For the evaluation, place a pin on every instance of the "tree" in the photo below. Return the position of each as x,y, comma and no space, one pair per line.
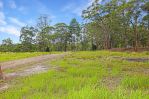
7,45
63,36
74,29
7,41
98,24
134,13
44,30
84,38
145,8
27,38
115,23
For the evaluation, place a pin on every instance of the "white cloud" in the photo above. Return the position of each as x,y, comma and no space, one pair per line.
1,4
10,29
15,21
77,9
12,4
2,19
12,26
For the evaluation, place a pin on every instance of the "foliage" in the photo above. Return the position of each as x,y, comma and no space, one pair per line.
117,23
26,38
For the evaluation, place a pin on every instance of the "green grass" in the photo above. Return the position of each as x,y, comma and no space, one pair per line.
136,82
7,56
80,75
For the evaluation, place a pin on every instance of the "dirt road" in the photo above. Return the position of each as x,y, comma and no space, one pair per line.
37,66
38,59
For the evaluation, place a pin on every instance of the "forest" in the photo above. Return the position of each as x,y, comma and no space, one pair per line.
112,24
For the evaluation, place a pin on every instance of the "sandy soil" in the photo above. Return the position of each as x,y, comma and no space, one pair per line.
3,86
29,71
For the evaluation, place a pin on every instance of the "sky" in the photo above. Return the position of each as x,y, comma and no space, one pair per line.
15,14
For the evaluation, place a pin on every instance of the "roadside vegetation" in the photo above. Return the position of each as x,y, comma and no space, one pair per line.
86,75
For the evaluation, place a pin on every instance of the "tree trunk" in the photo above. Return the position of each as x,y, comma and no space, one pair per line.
136,40
136,36
125,38
148,34
107,41
65,46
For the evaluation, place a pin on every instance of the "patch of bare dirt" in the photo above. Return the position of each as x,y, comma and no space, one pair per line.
128,70
3,86
111,82
131,59
137,59
36,69
32,70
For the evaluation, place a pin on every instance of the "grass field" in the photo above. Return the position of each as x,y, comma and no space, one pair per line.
86,75
7,56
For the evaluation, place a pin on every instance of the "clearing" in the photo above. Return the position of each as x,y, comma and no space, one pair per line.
81,75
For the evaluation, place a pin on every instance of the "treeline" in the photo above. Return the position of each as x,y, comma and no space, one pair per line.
107,24
43,37
118,23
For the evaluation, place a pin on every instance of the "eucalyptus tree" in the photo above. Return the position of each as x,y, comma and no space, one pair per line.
27,39
145,22
116,23
145,8
134,14
7,45
91,14
74,29
98,17
43,33
63,36
84,38
7,41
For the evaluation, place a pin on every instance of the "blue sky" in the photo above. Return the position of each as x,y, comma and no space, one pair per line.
17,13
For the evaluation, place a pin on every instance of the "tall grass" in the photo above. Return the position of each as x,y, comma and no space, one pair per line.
136,82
